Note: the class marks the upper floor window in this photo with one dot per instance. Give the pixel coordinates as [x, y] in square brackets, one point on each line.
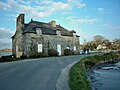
[74, 34]
[39, 31]
[58, 33]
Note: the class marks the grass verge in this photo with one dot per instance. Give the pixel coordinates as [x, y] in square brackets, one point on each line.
[78, 73]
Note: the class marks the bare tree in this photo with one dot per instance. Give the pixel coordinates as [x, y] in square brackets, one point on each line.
[99, 39]
[116, 44]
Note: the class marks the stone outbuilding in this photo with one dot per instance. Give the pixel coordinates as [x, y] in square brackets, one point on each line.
[39, 37]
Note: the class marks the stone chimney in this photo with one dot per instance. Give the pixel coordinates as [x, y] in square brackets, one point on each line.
[53, 23]
[20, 22]
[20, 19]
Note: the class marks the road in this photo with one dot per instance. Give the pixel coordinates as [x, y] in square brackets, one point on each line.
[34, 74]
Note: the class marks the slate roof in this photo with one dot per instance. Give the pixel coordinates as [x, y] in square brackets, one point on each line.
[46, 28]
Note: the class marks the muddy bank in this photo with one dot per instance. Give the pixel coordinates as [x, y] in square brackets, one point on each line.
[105, 76]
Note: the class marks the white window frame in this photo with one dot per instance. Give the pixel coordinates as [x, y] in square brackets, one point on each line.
[59, 49]
[75, 48]
[58, 33]
[40, 48]
[74, 34]
[67, 47]
[38, 31]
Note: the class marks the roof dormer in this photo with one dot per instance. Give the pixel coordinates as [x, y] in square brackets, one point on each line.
[58, 32]
[38, 31]
[73, 32]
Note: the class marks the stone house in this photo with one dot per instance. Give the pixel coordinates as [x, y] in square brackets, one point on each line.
[39, 37]
[101, 47]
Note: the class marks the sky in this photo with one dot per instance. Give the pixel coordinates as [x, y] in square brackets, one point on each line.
[87, 17]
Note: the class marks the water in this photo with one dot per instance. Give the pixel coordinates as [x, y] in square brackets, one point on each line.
[105, 77]
[5, 53]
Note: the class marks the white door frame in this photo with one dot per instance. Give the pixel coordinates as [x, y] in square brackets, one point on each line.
[59, 49]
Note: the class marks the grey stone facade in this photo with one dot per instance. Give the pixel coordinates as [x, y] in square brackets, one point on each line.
[39, 37]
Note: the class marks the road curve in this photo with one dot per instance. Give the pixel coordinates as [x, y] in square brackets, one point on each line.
[34, 74]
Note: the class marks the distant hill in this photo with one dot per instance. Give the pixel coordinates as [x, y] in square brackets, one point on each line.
[6, 50]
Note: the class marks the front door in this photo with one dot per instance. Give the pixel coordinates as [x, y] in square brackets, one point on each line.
[59, 49]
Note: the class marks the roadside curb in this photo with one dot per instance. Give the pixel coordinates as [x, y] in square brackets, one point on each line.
[63, 80]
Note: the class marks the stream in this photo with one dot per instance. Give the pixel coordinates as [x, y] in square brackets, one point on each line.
[105, 76]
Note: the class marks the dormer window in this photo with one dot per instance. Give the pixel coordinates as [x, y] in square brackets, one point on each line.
[58, 33]
[74, 34]
[39, 31]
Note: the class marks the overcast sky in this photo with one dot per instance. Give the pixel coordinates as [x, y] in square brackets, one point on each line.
[87, 17]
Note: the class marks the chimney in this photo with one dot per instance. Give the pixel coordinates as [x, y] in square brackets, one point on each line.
[20, 22]
[20, 19]
[53, 23]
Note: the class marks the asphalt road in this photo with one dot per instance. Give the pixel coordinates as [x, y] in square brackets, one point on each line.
[34, 74]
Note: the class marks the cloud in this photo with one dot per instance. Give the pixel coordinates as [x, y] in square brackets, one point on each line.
[4, 6]
[76, 3]
[101, 10]
[86, 21]
[75, 20]
[111, 27]
[5, 38]
[5, 33]
[83, 34]
[40, 8]
[34, 9]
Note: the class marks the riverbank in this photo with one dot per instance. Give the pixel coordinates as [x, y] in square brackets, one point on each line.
[78, 73]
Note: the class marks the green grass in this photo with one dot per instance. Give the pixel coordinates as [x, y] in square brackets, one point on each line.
[78, 78]
[78, 73]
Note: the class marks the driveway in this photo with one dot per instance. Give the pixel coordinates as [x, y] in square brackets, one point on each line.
[34, 74]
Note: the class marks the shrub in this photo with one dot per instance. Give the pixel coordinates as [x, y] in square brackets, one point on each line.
[23, 57]
[7, 58]
[52, 52]
[89, 63]
[36, 55]
[68, 52]
[118, 52]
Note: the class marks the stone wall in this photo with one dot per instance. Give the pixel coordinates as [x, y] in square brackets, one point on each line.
[49, 42]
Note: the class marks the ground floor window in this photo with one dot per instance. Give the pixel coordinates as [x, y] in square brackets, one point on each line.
[74, 48]
[40, 48]
[67, 47]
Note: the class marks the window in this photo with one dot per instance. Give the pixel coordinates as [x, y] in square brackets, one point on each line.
[58, 33]
[40, 46]
[38, 31]
[74, 48]
[74, 34]
[67, 47]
